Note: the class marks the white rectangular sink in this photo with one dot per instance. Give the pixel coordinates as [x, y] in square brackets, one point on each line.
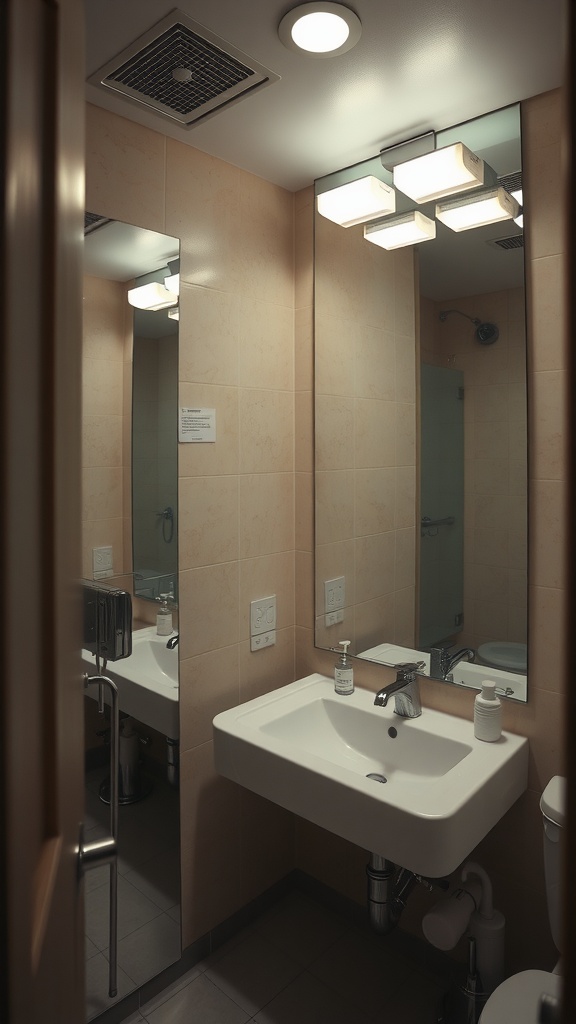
[311, 751]
[147, 681]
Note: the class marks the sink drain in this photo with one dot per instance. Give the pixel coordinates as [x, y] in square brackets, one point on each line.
[377, 777]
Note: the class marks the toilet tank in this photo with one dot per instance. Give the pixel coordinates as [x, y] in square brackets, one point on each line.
[552, 806]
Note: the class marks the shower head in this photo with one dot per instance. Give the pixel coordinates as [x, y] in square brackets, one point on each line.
[486, 333]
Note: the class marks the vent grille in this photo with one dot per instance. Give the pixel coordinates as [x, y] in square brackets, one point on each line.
[181, 70]
[511, 182]
[92, 221]
[512, 242]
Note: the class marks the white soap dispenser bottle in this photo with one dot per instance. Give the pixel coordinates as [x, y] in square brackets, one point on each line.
[487, 713]
[343, 672]
[164, 616]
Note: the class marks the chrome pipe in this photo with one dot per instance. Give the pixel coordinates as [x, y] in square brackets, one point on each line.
[380, 874]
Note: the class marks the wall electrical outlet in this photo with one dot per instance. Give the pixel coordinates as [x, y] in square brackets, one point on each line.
[263, 615]
[333, 618]
[267, 639]
[334, 594]
[102, 562]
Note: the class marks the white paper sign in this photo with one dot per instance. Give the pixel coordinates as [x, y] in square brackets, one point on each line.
[197, 425]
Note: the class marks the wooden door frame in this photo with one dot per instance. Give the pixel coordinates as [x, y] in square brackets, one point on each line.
[41, 696]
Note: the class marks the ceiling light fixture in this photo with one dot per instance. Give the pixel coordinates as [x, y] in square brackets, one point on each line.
[442, 172]
[152, 296]
[396, 232]
[357, 201]
[320, 29]
[487, 207]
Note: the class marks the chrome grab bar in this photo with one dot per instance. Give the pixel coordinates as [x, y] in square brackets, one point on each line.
[105, 851]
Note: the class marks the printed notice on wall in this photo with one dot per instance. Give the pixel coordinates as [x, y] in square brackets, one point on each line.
[197, 425]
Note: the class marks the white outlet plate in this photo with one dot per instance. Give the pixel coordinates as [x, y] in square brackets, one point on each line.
[263, 615]
[102, 562]
[267, 639]
[334, 594]
[333, 618]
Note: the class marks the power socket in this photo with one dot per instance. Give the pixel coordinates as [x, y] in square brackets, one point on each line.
[267, 639]
[334, 594]
[102, 562]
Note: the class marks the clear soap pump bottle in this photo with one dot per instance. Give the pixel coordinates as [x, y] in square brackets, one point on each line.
[343, 671]
[164, 616]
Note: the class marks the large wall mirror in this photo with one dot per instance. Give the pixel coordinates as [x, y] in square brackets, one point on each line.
[130, 540]
[420, 430]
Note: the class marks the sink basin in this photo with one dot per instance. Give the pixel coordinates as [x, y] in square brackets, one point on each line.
[147, 681]
[435, 792]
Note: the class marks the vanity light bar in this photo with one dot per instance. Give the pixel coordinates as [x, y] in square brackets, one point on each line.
[357, 201]
[406, 229]
[152, 296]
[443, 172]
[474, 211]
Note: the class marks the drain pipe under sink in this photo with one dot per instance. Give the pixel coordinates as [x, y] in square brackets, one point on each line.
[388, 891]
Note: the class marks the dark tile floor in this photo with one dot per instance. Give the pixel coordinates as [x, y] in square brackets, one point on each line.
[300, 963]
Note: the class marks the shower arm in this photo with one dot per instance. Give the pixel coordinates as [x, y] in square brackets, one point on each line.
[446, 312]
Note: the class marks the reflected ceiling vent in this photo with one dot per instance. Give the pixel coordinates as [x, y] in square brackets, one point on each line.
[93, 221]
[511, 182]
[181, 70]
[511, 242]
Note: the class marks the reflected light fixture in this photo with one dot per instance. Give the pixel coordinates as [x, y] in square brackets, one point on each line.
[172, 283]
[357, 201]
[517, 194]
[442, 172]
[487, 207]
[320, 29]
[406, 229]
[152, 296]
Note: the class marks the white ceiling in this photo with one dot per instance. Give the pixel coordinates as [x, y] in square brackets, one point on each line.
[419, 65]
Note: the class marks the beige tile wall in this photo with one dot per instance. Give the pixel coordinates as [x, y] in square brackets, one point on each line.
[365, 429]
[106, 411]
[238, 259]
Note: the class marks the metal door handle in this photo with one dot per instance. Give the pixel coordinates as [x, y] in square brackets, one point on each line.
[105, 851]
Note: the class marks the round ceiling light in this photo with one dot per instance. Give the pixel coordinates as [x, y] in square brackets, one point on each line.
[320, 29]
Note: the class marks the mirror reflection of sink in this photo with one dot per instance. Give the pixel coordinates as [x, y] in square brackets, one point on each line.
[435, 792]
[469, 674]
[147, 681]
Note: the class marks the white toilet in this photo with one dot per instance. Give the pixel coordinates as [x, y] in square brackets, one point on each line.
[518, 998]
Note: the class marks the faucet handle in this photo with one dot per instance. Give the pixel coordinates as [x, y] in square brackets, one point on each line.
[407, 669]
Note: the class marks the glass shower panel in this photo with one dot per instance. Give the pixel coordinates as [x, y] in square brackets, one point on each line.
[441, 504]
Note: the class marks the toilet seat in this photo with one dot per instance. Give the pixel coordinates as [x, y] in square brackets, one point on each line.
[517, 998]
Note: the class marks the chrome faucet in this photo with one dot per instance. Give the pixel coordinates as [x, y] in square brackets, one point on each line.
[405, 689]
[442, 662]
[173, 641]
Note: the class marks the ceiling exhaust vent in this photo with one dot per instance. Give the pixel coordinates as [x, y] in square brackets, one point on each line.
[181, 70]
